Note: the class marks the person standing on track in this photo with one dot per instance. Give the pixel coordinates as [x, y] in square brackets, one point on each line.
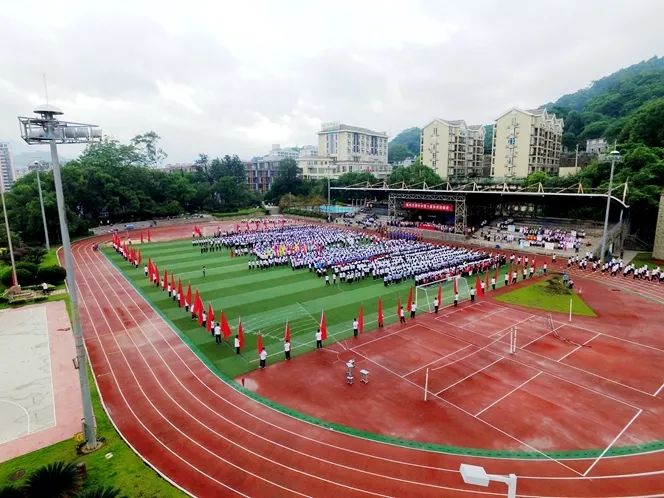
[456, 299]
[493, 283]
[413, 307]
[402, 315]
[263, 356]
[472, 294]
[319, 339]
[436, 304]
[287, 348]
[544, 268]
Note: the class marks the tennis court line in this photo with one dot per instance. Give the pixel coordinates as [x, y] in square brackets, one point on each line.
[469, 376]
[474, 352]
[540, 337]
[438, 359]
[619, 338]
[506, 395]
[577, 348]
[659, 390]
[613, 442]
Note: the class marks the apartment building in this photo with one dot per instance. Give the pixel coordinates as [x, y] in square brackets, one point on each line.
[7, 171]
[452, 148]
[353, 149]
[262, 170]
[526, 142]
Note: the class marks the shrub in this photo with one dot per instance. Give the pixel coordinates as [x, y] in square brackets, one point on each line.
[57, 480]
[53, 275]
[26, 265]
[23, 275]
[106, 492]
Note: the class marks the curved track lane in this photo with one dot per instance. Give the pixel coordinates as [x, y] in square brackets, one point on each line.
[211, 440]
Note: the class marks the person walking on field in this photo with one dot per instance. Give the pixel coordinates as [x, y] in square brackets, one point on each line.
[204, 270]
[237, 344]
[413, 307]
[319, 339]
[436, 304]
[217, 333]
[263, 357]
[327, 279]
[287, 348]
[402, 315]
[356, 327]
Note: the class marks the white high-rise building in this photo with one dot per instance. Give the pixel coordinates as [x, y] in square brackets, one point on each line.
[452, 148]
[526, 142]
[7, 171]
[353, 149]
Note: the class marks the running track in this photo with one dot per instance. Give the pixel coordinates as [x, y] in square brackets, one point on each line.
[210, 440]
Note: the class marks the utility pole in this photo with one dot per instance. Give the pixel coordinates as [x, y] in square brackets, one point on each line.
[43, 212]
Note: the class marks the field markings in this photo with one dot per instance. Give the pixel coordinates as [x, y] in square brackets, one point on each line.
[471, 375]
[506, 395]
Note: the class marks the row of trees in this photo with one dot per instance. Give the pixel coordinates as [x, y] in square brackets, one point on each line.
[116, 182]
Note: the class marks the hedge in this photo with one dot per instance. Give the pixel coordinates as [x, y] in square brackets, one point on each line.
[53, 275]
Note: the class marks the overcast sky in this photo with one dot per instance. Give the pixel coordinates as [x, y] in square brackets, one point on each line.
[234, 77]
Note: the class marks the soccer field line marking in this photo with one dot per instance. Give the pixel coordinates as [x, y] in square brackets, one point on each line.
[438, 359]
[506, 395]
[483, 348]
[471, 415]
[613, 442]
[559, 360]
[469, 376]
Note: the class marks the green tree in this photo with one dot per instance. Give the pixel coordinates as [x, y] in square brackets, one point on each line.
[397, 153]
[149, 151]
[287, 181]
[416, 173]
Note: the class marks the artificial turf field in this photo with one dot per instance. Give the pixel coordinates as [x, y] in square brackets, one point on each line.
[264, 300]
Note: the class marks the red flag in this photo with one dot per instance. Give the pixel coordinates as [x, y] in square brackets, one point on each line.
[225, 328]
[210, 318]
[360, 320]
[455, 286]
[534, 266]
[155, 274]
[198, 308]
[240, 332]
[140, 257]
[180, 292]
[187, 298]
[323, 326]
[141, 236]
[440, 294]
[165, 283]
[259, 343]
[172, 282]
[409, 308]
[398, 307]
[495, 275]
[287, 333]
[149, 236]
[478, 286]
[486, 281]
[379, 313]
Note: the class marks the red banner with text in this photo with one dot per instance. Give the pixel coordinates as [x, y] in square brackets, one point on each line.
[429, 206]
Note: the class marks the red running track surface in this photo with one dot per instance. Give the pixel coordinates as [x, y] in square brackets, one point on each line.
[211, 440]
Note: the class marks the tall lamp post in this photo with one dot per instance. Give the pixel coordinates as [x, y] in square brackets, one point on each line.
[43, 212]
[477, 476]
[614, 156]
[48, 129]
[9, 235]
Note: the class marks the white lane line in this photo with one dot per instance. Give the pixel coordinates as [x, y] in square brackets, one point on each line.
[506, 395]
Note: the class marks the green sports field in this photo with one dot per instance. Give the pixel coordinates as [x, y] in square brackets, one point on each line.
[263, 299]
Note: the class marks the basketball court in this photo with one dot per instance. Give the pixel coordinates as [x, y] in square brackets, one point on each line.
[39, 395]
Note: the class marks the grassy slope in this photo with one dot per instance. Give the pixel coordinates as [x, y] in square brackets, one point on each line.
[536, 296]
[645, 258]
[264, 299]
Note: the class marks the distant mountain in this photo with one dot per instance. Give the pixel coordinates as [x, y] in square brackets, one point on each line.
[405, 144]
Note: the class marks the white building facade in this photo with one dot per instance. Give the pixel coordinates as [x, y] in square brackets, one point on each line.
[525, 142]
[452, 148]
[7, 171]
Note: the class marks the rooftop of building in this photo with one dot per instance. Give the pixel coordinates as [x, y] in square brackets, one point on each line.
[331, 127]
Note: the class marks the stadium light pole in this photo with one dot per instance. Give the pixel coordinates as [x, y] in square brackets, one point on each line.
[48, 129]
[477, 476]
[329, 206]
[9, 235]
[615, 157]
[43, 212]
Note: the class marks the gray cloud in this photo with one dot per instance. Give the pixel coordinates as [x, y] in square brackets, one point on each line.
[234, 79]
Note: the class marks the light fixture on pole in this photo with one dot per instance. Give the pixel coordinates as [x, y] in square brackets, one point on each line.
[477, 476]
[47, 129]
[614, 157]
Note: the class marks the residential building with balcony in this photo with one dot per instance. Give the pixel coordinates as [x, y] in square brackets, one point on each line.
[452, 148]
[525, 142]
[353, 149]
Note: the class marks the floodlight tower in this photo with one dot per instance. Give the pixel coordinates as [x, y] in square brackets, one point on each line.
[46, 128]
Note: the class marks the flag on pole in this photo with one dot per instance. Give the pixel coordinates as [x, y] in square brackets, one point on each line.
[379, 313]
[173, 283]
[181, 302]
[495, 275]
[360, 319]
[140, 257]
[478, 286]
[259, 343]
[440, 294]
[165, 282]
[323, 326]
[486, 281]
[225, 328]
[210, 318]
[149, 237]
[155, 274]
[409, 308]
[398, 307]
[240, 332]
[187, 297]
[199, 308]
[141, 236]
[534, 266]
[287, 332]
[455, 285]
